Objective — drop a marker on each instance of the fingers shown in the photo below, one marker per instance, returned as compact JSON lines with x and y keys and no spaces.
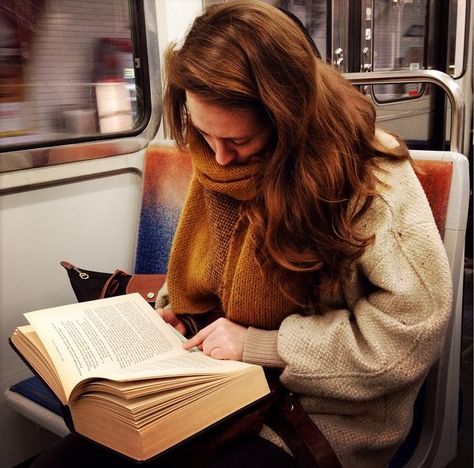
{"x":181,"y":327}
{"x":170,"y":317}
{"x":221,"y":339}
{"x":199,"y":337}
{"x":161,"y":312}
{"x":217,"y":353}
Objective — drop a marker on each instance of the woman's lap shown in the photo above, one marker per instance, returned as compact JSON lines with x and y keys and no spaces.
{"x":73,"y":451}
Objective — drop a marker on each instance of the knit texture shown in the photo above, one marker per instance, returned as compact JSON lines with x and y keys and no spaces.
{"x":358,"y":365}
{"x":213,"y":259}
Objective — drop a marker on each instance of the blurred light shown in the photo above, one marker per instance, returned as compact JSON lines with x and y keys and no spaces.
{"x":114,"y":107}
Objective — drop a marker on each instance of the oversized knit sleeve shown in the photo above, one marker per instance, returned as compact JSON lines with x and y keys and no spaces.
{"x":397,"y":304}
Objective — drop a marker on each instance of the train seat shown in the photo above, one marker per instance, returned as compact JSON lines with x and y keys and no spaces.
{"x":167,"y":172}
{"x":444,"y":176}
{"x":432,"y":440}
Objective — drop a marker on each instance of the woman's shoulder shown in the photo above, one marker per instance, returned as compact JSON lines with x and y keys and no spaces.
{"x":386,"y":139}
{"x":395,"y":176}
{"x":400,"y":196}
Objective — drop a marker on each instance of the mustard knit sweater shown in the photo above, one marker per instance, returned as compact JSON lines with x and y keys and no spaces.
{"x":359,"y":365}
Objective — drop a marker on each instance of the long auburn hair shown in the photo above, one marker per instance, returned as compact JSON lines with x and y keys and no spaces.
{"x":319,"y":174}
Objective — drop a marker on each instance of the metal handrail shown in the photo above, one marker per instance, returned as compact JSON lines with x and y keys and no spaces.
{"x":449,"y":86}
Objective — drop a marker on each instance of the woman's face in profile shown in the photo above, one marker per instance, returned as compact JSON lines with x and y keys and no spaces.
{"x":235,"y":135}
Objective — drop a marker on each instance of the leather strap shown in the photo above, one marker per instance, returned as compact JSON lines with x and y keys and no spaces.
{"x":111,"y":284}
{"x":147,"y":285}
{"x":306,"y":442}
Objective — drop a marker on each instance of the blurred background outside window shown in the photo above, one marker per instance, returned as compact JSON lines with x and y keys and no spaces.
{"x":67,"y":70}
{"x":391,"y":35}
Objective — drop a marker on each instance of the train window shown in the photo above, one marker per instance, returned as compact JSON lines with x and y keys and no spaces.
{"x":391,"y":35}
{"x":458,"y":35}
{"x":312,"y":13}
{"x":69,"y":70}
{"x":399,"y":38}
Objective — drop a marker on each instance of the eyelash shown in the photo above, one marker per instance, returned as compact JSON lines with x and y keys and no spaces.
{"x":242,"y":143}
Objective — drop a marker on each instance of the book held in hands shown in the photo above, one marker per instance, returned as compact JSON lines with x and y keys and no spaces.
{"x":126,"y":380}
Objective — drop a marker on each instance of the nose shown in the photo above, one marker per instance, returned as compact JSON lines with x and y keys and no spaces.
{"x":224,"y":154}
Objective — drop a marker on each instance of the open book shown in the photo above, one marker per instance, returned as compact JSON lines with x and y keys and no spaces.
{"x":125,"y":378}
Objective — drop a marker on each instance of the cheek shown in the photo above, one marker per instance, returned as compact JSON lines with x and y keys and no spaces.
{"x":261,"y":144}
{"x":246,"y":153}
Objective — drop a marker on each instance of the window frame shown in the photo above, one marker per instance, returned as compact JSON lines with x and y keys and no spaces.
{"x":464,"y":21}
{"x":145,"y":47}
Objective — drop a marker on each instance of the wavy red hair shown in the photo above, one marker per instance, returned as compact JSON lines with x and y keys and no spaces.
{"x":319,"y":174}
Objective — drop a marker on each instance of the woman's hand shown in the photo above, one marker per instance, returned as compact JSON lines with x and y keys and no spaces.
{"x":170,"y":317}
{"x":221,"y":339}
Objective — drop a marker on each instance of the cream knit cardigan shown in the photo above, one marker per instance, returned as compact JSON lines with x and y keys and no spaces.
{"x":358,"y":367}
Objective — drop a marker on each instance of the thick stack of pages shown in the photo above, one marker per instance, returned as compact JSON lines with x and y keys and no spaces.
{"x":123,"y":375}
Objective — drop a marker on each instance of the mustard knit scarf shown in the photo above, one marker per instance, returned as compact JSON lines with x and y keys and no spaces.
{"x":213,"y":264}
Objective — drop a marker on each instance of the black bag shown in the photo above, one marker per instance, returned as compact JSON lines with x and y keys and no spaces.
{"x":281,"y":411}
{"x":89,"y":285}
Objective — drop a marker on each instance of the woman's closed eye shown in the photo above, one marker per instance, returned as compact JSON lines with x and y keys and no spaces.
{"x":233,"y":141}
{"x":239,"y":142}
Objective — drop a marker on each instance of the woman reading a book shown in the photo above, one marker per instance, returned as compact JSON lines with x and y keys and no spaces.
{"x":305,"y":226}
{"x":306,"y":242}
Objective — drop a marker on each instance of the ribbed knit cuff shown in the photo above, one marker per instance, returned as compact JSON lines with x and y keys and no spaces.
{"x":260,"y":347}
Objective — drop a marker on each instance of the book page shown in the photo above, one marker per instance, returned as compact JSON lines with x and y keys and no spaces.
{"x":120,"y":338}
{"x":95,"y":338}
{"x":26,"y":339}
{"x":196,"y":363}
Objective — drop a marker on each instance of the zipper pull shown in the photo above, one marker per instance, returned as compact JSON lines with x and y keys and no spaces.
{"x":82,"y":274}
{"x":69,"y":266}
